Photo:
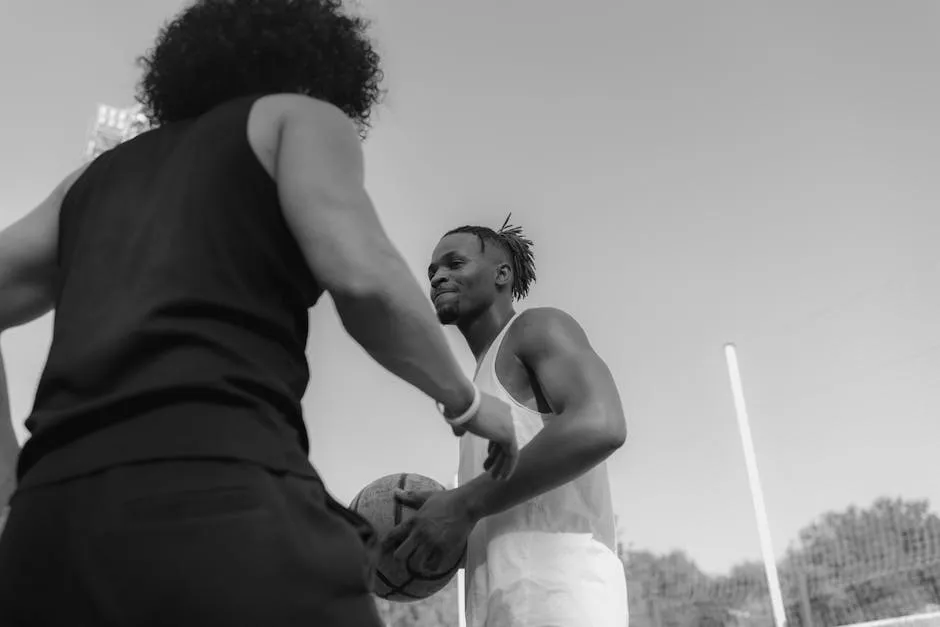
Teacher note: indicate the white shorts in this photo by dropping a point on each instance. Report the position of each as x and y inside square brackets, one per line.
[539, 579]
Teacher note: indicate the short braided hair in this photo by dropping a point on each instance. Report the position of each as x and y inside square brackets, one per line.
[519, 247]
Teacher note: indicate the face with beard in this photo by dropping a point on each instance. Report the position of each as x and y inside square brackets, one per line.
[466, 276]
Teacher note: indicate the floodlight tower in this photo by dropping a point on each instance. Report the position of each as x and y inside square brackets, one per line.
[113, 126]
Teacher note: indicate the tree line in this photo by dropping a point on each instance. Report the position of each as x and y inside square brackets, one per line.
[850, 566]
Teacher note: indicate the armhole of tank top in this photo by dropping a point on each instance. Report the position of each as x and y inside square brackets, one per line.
[311, 287]
[490, 354]
[493, 373]
[248, 118]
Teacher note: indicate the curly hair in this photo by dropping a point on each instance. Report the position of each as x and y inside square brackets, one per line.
[519, 248]
[217, 50]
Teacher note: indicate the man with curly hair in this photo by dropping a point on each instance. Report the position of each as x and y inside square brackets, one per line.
[541, 547]
[166, 480]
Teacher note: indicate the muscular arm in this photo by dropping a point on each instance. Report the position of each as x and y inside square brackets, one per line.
[587, 427]
[28, 278]
[320, 180]
[28, 261]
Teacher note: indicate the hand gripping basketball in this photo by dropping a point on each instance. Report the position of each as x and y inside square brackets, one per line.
[427, 540]
[389, 503]
[494, 422]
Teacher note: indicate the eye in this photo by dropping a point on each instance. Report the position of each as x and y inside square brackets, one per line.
[456, 263]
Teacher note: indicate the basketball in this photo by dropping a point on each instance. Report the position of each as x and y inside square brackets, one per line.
[395, 580]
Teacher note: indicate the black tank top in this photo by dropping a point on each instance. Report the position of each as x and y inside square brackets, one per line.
[181, 316]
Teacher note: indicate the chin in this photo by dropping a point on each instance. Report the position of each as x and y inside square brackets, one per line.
[447, 316]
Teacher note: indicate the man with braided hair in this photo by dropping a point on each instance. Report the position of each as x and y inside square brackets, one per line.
[541, 546]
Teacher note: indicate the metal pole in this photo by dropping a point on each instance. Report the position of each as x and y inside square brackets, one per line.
[757, 494]
[461, 599]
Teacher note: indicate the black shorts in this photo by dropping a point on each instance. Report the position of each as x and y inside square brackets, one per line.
[198, 543]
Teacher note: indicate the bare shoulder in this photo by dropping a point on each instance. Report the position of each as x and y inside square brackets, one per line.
[302, 109]
[272, 114]
[542, 328]
[28, 258]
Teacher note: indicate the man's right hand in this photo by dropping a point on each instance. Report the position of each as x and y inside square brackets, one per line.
[494, 422]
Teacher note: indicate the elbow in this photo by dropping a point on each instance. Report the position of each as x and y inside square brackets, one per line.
[607, 435]
[373, 281]
[614, 432]
[357, 289]
[617, 438]
[597, 425]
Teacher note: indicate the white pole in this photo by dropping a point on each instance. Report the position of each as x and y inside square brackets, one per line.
[461, 600]
[757, 494]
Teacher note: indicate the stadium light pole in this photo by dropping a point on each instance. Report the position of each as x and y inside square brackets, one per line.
[112, 126]
[757, 493]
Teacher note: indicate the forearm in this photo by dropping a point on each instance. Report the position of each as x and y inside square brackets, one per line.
[395, 325]
[9, 446]
[568, 447]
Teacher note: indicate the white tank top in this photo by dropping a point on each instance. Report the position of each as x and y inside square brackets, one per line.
[579, 507]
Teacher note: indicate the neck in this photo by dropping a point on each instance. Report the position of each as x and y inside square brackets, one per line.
[483, 329]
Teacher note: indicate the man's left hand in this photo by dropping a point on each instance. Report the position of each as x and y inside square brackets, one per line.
[439, 528]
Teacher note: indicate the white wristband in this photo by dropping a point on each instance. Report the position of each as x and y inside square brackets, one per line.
[468, 415]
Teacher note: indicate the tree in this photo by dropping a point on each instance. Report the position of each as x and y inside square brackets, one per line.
[864, 564]
[671, 591]
[746, 593]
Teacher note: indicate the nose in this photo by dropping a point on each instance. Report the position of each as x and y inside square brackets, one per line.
[437, 279]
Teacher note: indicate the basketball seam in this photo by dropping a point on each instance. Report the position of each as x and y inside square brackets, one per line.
[392, 589]
[399, 592]
[402, 478]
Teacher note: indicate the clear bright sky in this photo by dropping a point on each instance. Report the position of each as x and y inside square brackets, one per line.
[692, 174]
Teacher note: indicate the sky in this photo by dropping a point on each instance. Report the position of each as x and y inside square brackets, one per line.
[692, 174]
